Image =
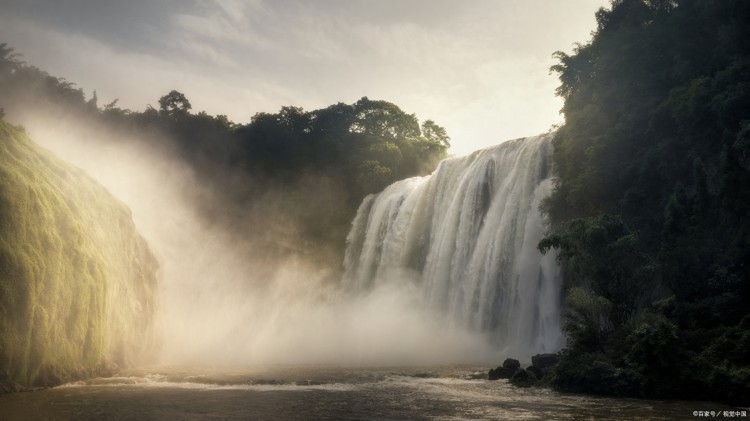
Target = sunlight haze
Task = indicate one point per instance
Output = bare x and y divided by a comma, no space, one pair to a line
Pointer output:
478,68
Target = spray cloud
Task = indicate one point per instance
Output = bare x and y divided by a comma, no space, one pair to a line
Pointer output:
225,298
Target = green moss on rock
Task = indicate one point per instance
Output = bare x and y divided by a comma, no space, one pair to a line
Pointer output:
77,283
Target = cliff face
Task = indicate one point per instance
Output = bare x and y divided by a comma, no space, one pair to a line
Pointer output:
78,288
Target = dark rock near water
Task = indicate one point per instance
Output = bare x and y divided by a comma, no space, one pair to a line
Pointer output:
544,361
536,371
511,369
505,371
10,387
511,364
523,378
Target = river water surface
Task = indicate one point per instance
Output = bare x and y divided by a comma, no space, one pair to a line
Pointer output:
326,393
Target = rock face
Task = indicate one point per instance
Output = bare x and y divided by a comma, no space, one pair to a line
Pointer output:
505,371
77,283
511,370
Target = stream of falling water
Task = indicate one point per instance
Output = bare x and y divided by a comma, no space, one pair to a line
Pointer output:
466,237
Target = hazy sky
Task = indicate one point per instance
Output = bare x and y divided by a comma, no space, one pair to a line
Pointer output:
480,68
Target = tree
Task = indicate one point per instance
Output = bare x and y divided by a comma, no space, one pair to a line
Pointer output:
383,119
435,133
8,60
174,104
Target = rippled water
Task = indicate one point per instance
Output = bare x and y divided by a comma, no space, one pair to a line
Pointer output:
309,393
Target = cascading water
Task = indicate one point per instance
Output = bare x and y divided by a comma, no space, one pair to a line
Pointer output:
466,237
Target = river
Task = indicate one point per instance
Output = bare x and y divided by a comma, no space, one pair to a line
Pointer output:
325,393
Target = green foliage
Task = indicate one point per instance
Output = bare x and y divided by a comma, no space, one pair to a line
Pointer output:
652,203
373,176
343,141
588,372
654,356
77,284
601,255
589,318
435,134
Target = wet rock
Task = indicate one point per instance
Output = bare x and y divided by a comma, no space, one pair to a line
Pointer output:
536,371
505,371
10,387
523,378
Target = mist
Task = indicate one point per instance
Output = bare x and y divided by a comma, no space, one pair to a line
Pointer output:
231,296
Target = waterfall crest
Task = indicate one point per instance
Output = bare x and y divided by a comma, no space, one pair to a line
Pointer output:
466,237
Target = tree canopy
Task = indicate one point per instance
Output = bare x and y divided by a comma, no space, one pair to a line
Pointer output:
174,104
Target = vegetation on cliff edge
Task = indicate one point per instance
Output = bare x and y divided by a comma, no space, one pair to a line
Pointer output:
651,210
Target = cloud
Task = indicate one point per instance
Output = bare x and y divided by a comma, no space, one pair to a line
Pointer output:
127,26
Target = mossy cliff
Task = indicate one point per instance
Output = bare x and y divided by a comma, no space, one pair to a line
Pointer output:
77,282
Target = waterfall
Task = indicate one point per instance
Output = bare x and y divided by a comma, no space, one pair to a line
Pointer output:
466,237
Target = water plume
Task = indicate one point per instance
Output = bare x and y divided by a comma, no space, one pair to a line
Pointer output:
226,301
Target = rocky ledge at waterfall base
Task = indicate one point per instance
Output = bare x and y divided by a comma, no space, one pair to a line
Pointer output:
537,373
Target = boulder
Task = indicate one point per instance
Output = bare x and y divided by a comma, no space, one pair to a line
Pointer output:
523,378
505,371
511,364
10,387
544,361
536,371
